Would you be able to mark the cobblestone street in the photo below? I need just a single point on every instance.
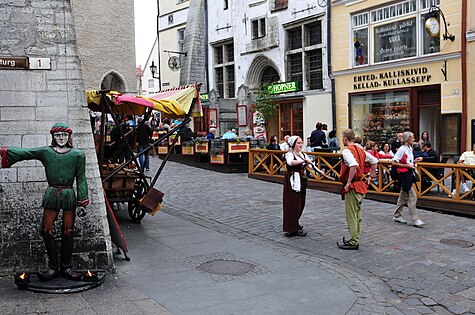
(399, 269)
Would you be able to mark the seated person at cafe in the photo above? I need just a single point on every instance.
(212, 133)
(418, 152)
(187, 134)
(273, 145)
(284, 145)
(229, 135)
(467, 158)
(432, 155)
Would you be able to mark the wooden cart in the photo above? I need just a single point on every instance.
(125, 183)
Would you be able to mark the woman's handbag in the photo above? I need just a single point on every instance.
(415, 176)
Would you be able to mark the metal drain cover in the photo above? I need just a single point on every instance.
(226, 267)
(456, 242)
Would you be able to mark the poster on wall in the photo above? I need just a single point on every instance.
(395, 40)
(242, 115)
(258, 125)
(213, 117)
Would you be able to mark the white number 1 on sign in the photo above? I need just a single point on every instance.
(39, 63)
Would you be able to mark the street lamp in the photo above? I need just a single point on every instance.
(153, 69)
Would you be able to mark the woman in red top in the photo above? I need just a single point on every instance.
(372, 148)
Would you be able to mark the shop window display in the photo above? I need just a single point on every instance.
(393, 32)
(380, 116)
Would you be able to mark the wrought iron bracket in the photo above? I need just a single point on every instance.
(435, 11)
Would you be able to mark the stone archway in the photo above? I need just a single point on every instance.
(113, 81)
(261, 68)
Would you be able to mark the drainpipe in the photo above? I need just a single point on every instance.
(329, 61)
(158, 47)
(463, 140)
(207, 47)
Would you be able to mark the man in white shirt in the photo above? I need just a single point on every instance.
(467, 158)
(284, 146)
(354, 191)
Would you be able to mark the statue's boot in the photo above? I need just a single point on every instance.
(66, 257)
(52, 271)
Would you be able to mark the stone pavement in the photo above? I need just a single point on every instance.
(399, 269)
(209, 216)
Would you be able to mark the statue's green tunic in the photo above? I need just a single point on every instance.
(61, 170)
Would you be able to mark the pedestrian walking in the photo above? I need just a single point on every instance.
(354, 191)
(404, 162)
(144, 136)
(295, 187)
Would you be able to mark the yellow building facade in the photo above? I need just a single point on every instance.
(396, 68)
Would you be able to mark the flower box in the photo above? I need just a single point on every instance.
(172, 137)
(162, 150)
(201, 147)
(216, 159)
(187, 150)
(235, 147)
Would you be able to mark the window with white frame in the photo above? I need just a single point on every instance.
(181, 39)
(151, 83)
(304, 55)
(258, 28)
(224, 69)
(393, 32)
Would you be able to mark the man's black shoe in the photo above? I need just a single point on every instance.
(347, 246)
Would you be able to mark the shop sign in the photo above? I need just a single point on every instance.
(14, 63)
(204, 97)
(284, 87)
(391, 78)
(395, 40)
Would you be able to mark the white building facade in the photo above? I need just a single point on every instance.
(269, 41)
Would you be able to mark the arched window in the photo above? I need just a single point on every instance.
(270, 75)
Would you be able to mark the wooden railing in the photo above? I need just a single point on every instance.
(434, 189)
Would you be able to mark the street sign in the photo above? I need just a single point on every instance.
(40, 63)
(14, 63)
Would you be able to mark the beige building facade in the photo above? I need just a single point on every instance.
(470, 65)
(171, 41)
(398, 68)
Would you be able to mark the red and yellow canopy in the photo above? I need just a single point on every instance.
(172, 103)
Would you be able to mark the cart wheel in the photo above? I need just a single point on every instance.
(136, 212)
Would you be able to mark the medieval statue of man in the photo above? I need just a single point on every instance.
(62, 165)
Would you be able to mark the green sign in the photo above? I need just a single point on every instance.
(285, 87)
(204, 97)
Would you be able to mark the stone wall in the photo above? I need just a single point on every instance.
(31, 101)
(105, 37)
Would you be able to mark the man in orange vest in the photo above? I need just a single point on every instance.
(354, 190)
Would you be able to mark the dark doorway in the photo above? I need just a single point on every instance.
(428, 113)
